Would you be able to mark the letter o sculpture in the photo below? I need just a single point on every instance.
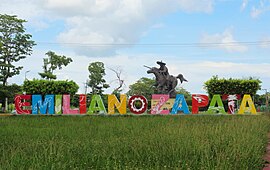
(132, 107)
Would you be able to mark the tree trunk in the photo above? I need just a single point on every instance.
(4, 101)
(4, 105)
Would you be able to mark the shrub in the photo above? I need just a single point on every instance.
(50, 87)
(232, 86)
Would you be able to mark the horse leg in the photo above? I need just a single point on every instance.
(174, 83)
(172, 94)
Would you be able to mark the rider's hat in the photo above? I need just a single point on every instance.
(161, 63)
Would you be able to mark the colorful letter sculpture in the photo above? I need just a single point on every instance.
(132, 104)
(38, 104)
(199, 100)
(82, 103)
(120, 106)
(19, 104)
(231, 102)
(58, 104)
(180, 104)
(96, 105)
(66, 106)
(160, 104)
(158, 101)
(216, 109)
(244, 109)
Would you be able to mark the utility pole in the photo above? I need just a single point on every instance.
(85, 86)
(266, 100)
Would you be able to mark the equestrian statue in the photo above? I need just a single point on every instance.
(165, 83)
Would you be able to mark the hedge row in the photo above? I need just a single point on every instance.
(50, 87)
(232, 86)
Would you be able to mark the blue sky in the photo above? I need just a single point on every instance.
(198, 38)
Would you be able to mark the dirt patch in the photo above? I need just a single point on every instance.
(267, 155)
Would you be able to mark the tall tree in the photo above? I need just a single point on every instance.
(96, 81)
(52, 63)
(15, 45)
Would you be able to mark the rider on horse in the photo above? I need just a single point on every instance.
(163, 69)
(165, 83)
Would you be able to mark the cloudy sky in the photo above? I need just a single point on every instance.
(198, 38)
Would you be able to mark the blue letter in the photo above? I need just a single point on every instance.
(180, 104)
(42, 106)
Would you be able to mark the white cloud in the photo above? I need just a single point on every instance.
(244, 5)
(120, 22)
(256, 12)
(262, 7)
(223, 41)
(101, 21)
(258, 8)
(196, 5)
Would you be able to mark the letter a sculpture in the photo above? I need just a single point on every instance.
(165, 83)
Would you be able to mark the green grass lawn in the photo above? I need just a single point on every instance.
(133, 142)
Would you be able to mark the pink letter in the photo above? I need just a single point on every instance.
(66, 106)
(159, 100)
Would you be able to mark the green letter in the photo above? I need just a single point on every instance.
(212, 107)
(96, 105)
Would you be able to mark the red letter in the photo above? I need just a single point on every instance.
(82, 104)
(19, 104)
(133, 108)
(199, 100)
(231, 101)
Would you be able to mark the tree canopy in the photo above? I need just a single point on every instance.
(53, 62)
(96, 82)
(144, 86)
(9, 92)
(15, 45)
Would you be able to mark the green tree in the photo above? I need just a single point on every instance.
(232, 86)
(188, 96)
(15, 45)
(8, 92)
(50, 87)
(96, 81)
(144, 86)
(53, 62)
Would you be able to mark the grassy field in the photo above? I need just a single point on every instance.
(133, 142)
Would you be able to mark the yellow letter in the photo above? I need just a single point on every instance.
(250, 109)
(121, 106)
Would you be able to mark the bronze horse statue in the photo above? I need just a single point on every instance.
(165, 85)
(160, 79)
